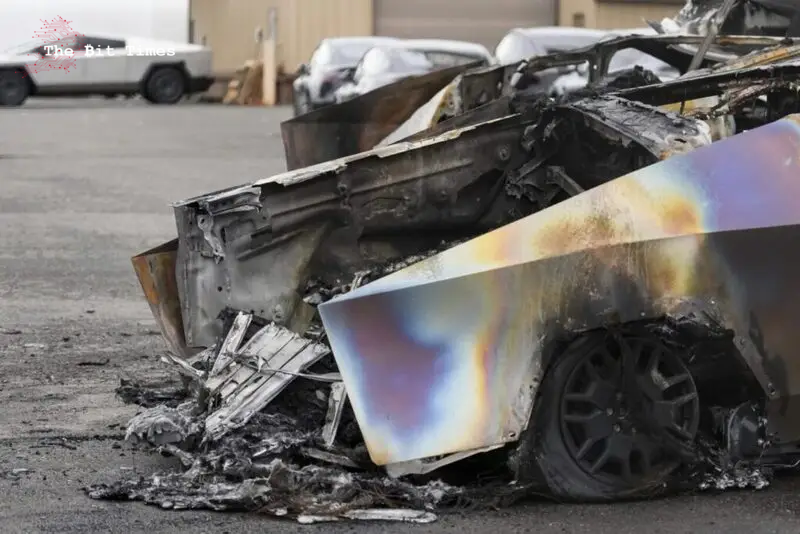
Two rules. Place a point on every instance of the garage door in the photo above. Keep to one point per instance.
(482, 21)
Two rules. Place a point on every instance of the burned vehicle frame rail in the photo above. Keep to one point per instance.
(769, 72)
(675, 50)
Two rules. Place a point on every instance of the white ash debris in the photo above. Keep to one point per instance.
(278, 461)
(735, 478)
(164, 425)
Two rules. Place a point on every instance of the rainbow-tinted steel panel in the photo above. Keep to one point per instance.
(444, 356)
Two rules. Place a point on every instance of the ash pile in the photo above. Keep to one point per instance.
(263, 425)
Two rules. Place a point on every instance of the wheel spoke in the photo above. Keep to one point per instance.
(625, 465)
(600, 395)
(585, 448)
(675, 380)
(601, 461)
(597, 424)
(654, 358)
(645, 451)
(680, 431)
(679, 402)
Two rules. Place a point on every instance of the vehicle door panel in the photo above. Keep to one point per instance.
(105, 62)
(56, 72)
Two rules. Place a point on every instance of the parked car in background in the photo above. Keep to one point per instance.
(162, 72)
(329, 67)
(522, 43)
(444, 53)
(381, 66)
(410, 57)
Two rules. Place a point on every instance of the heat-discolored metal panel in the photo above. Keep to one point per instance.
(155, 269)
(445, 356)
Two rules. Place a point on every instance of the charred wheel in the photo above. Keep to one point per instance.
(615, 415)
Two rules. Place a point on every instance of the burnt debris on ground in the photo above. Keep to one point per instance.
(288, 448)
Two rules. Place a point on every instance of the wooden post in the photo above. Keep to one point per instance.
(268, 54)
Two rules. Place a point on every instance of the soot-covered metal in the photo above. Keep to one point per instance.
(589, 296)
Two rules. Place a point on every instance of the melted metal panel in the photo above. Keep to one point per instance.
(357, 125)
(445, 356)
(155, 269)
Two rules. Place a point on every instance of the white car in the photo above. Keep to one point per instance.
(386, 64)
(161, 71)
(445, 53)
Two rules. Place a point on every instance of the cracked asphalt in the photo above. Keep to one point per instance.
(86, 184)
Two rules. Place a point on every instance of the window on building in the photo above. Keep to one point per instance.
(579, 20)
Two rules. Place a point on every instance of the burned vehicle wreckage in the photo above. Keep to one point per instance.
(591, 295)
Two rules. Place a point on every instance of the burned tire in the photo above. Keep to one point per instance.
(165, 85)
(606, 431)
(14, 88)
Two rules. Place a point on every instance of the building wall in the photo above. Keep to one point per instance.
(229, 27)
(570, 8)
(611, 15)
(481, 21)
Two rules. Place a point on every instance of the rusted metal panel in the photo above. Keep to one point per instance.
(445, 355)
(359, 124)
(155, 269)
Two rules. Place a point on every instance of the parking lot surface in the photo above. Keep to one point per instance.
(84, 185)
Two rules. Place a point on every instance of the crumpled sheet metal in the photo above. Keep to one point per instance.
(360, 124)
(155, 269)
(781, 17)
(249, 247)
(446, 355)
(426, 116)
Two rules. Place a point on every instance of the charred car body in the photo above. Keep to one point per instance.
(591, 288)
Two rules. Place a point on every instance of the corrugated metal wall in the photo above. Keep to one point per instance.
(482, 21)
(608, 16)
(229, 27)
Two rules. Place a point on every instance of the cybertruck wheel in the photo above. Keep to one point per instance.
(165, 85)
(14, 88)
(604, 431)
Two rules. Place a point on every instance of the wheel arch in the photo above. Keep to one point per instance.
(693, 317)
(706, 346)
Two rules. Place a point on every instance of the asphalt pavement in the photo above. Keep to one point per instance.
(86, 184)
